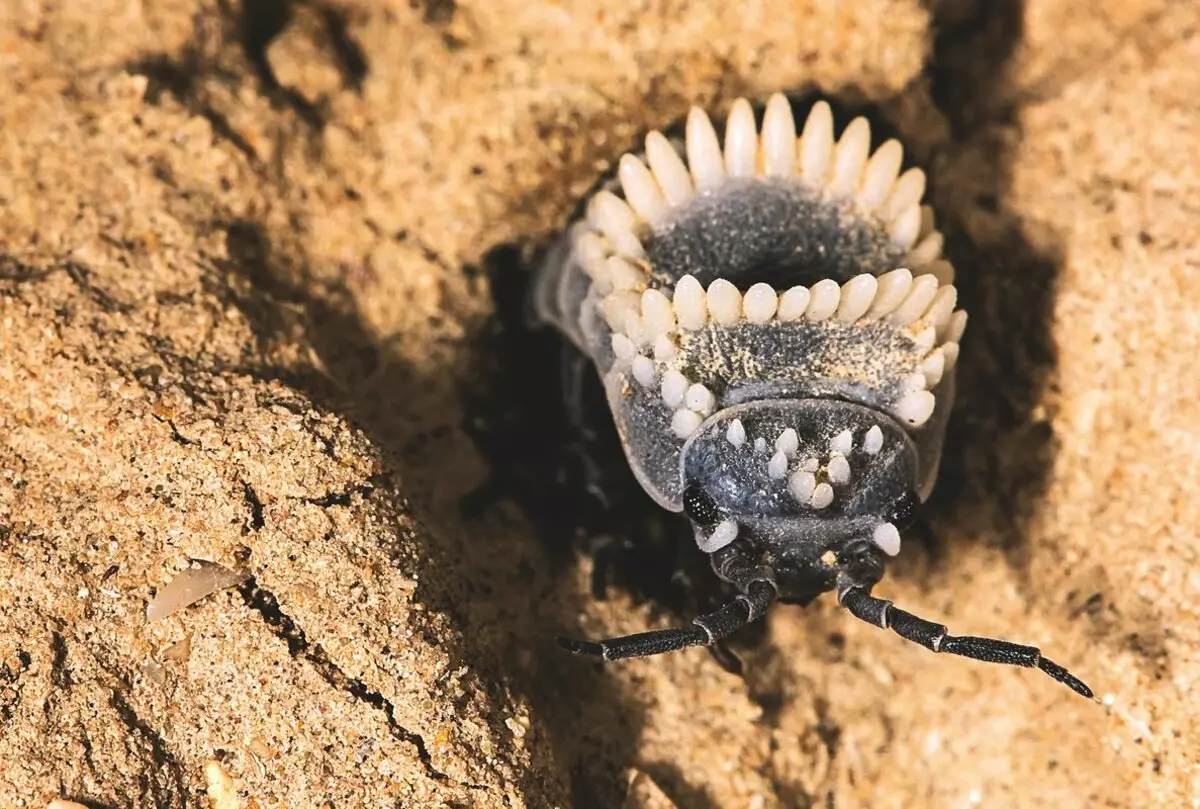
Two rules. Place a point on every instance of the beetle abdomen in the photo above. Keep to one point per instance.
(766, 266)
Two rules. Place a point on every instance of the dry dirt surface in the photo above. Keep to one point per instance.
(256, 262)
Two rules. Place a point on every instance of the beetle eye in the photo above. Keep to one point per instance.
(904, 513)
(699, 507)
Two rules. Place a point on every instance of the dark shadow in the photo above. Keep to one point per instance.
(253, 25)
(999, 447)
(370, 385)
(518, 417)
(178, 77)
(259, 22)
(668, 777)
(90, 804)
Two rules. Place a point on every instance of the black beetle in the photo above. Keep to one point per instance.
(776, 331)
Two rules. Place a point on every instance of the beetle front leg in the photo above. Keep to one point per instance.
(705, 630)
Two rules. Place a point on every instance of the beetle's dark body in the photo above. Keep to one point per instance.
(770, 370)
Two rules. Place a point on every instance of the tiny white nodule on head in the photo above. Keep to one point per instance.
(887, 537)
(741, 140)
(822, 496)
(914, 408)
(793, 303)
(760, 303)
(669, 170)
(623, 347)
(839, 469)
(736, 434)
(674, 388)
(700, 399)
(664, 349)
(823, 299)
(705, 160)
(643, 371)
(725, 532)
(691, 304)
(873, 441)
(802, 484)
(657, 312)
(724, 302)
(788, 442)
(842, 443)
(685, 422)
(777, 466)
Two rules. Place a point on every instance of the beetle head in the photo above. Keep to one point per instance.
(813, 486)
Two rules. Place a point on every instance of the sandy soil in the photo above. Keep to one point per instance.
(255, 259)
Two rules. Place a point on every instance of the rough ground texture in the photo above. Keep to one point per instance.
(255, 261)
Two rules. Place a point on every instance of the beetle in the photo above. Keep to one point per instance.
(776, 330)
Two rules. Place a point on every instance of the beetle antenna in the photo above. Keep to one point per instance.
(704, 631)
(937, 638)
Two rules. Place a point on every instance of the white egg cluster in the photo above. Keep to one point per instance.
(810, 480)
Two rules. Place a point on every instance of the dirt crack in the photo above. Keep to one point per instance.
(284, 627)
(343, 498)
(163, 758)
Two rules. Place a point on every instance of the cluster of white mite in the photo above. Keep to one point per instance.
(647, 339)
(811, 483)
(845, 169)
(645, 321)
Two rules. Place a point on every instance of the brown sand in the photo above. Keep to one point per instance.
(244, 255)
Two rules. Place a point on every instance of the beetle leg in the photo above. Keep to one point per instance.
(704, 631)
(936, 638)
